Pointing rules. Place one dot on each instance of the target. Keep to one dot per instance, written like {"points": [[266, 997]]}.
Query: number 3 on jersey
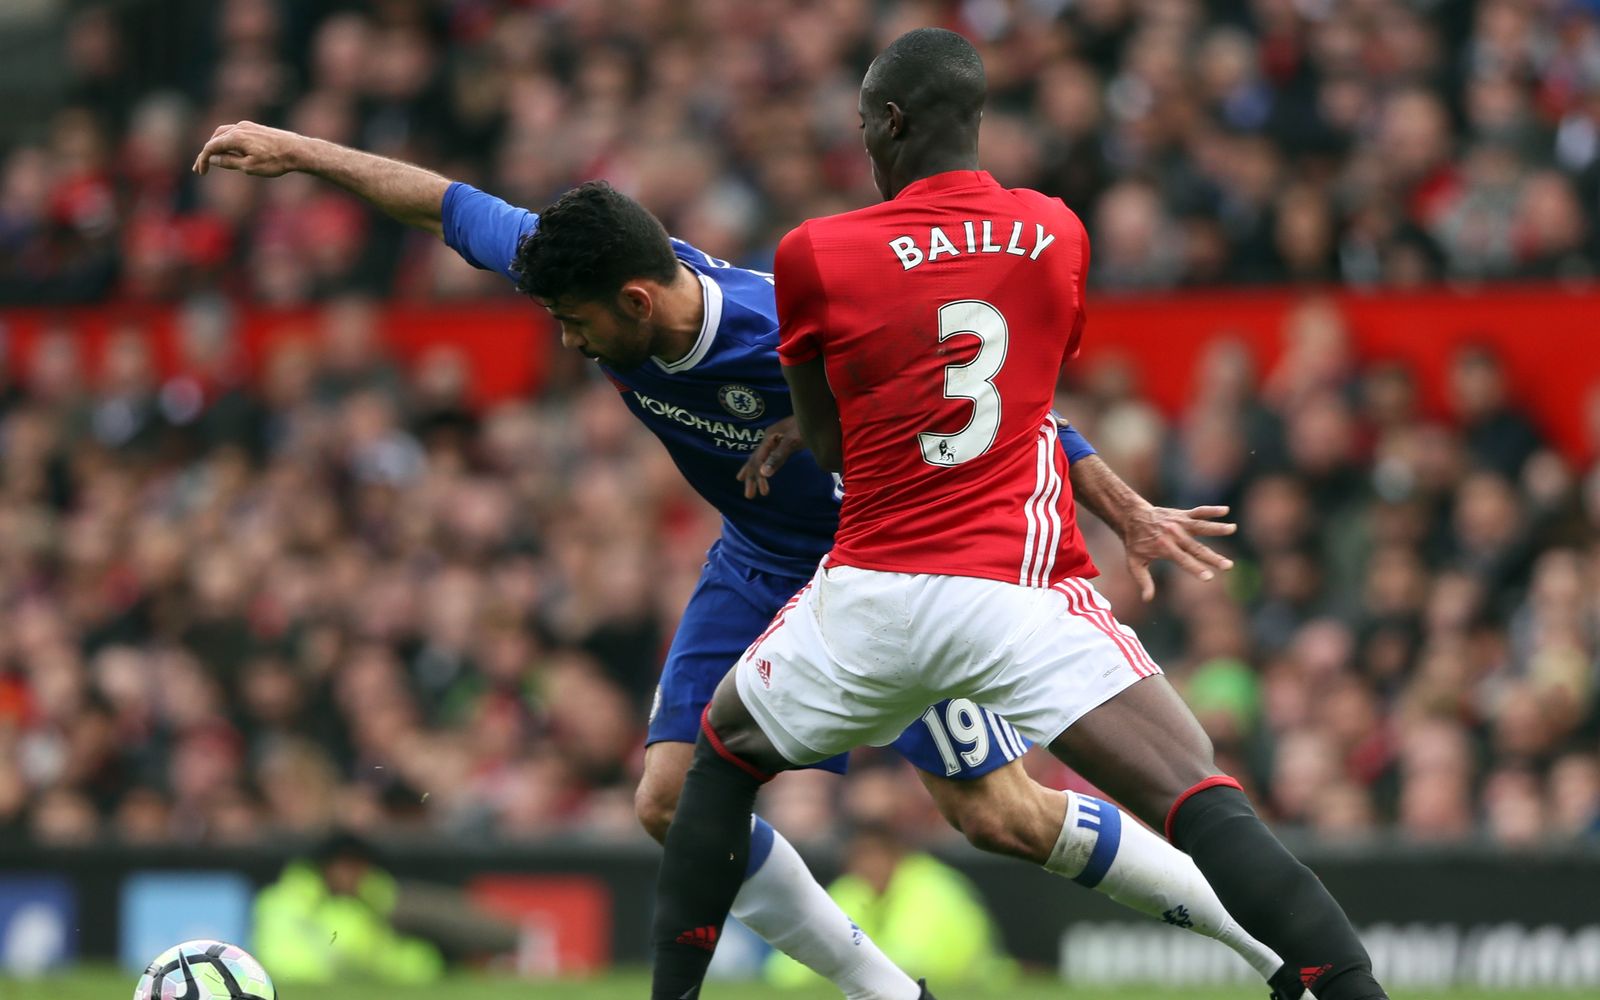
{"points": [[973, 380]]}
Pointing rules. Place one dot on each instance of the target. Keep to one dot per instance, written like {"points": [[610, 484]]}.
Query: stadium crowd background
{"points": [[236, 604]]}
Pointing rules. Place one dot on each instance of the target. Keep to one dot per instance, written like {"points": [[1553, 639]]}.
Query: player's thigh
{"points": [[1003, 811], [1084, 685], [730, 606], [1064, 657], [1143, 747], [833, 672]]}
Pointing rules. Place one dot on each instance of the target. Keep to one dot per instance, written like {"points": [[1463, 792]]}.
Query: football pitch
{"points": [[115, 985]]}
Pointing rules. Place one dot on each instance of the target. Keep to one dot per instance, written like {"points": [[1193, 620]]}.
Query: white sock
{"points": [[783, 904], [1114, 854]]}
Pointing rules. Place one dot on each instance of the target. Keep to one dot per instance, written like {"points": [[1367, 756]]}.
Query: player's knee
{"points": [[654, 805], [1181, 780], [1189, 769], [1189, 760]]}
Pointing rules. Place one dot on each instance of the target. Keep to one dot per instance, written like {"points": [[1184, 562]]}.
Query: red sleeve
{"points": [[1082, 280], [802, 307]]}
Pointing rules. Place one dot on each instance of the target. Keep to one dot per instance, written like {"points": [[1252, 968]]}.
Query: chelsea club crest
{"points": [[741, 401]]}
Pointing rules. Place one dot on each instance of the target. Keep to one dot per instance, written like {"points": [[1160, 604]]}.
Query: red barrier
{"points": [[1548, 336], [564, 921], [505, 342]]}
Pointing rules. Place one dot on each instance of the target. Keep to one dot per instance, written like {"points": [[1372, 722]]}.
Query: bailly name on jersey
{"points": [[723, 434], [970, 238]]}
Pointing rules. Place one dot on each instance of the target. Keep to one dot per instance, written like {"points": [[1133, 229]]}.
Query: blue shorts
{"points": [[731, 605]]}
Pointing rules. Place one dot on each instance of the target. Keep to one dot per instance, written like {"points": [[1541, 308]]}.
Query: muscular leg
{"points": [[778, 899], [708, 848], [1003, 812], [1088, 841], [1145, 748]]}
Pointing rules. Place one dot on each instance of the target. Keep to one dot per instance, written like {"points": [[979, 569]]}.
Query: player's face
{"points": [[603, 332]]}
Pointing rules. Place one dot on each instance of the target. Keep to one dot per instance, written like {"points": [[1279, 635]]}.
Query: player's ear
{"points": [[635, 301], [897, 120]]}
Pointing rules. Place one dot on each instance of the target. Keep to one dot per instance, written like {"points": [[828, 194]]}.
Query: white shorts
{"points": [[857, 655]]}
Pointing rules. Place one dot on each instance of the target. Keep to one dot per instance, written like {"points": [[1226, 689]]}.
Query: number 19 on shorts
{"points": [[961, 731]]}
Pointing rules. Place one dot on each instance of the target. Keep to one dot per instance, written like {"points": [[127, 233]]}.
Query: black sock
{"points": [[707, 849], [1272, 895], [1285, 983]]}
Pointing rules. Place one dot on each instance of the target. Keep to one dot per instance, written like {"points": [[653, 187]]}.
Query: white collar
{"points": [[711, 293]]}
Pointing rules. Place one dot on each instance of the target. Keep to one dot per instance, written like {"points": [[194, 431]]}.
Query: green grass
{"points": [[111, 985]]}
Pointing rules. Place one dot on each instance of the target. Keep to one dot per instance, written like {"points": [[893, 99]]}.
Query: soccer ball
{"points": [[205, 970]]}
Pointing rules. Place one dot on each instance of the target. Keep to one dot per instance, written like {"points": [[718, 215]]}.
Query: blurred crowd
{"points": [[328, 593], [333, 595], [237, 605], [1373, 142], [1411, 638]]}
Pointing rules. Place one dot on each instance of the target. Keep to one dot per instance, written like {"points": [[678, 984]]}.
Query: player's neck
{"points": [[682, 313], [927, 163]]}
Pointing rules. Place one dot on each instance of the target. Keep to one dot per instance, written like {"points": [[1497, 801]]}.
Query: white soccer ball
{"points": [[205, 970]]}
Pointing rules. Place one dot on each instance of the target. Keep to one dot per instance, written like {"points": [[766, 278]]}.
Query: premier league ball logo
{"points": [[742, 401]]}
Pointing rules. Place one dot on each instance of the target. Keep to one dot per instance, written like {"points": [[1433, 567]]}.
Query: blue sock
{"points": [[1105, 820], [761, 835]]}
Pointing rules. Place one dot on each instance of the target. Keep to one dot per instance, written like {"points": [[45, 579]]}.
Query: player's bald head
{"points": [[929, 72]]}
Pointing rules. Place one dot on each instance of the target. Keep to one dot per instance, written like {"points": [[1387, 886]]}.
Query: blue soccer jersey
{"points": [[709, 409]]}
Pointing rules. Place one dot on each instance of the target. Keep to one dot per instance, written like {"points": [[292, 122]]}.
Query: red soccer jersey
{"points": [[943, 317]]}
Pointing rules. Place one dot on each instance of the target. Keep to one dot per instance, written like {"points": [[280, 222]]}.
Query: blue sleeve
{"points": [[1074, 444], [483, 229]]}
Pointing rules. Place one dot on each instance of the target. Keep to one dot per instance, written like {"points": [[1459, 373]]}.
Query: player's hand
{"points": [[258, 150], [1166, 533], [780, 440]]}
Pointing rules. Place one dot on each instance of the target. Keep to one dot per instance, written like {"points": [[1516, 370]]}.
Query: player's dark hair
{"points": [[932, 71], [591, 242]]}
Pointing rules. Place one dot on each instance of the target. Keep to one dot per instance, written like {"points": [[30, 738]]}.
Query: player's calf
{"points": [[708, 844], [1002, 812], [1092, 843], [1145, 748], [779, 899], [707, 854], [1265, 887]]}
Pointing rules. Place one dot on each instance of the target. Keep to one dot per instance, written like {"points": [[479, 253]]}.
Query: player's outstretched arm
{"points": [[1149, 532], [410, 193]]}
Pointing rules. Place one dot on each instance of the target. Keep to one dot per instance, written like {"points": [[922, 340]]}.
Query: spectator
{"points": [[327, 918], [64, 818], [1575, 795], [921, 912], [1498, 438]]}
